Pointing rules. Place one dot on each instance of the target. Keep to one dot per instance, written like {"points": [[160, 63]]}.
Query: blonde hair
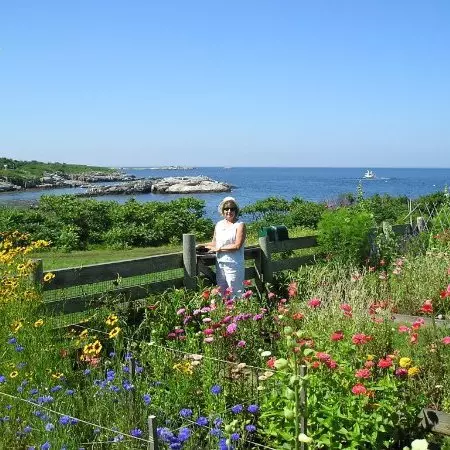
{"points": [[228, 200]]}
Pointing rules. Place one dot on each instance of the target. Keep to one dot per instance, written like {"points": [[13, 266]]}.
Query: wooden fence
{"points": [[173, 270]]}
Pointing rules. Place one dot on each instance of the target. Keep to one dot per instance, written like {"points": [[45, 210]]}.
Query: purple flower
{"points": [[241, 344], [12, 340], [56, 388], [73, 421], [202, 421], [33, 391], [139, 369], [250, 428], [64, 420], [231, 328], [2, 378], [186, 412], [127, 385], [45, 399], [136, 432], [218, 422], [19, 348], [27, 429], [49, 426], [216, 389], [87, 372], [235, 436], [110, 375], [184, 434], [70, 392], [147, 399], [216, 432], [236, 409], [45, 446], [253, 409]]}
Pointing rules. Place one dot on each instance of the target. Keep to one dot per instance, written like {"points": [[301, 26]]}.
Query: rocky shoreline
{"points": [[127, 184], [169, 185]]}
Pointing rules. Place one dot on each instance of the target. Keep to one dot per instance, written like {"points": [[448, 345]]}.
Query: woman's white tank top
{"points": [[226, 235]]}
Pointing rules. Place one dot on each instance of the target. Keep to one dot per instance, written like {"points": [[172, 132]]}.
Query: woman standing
{"points": [[228, 243]]}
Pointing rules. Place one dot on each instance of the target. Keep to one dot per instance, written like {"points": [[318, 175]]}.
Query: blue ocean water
{"points": [[257, 183]]}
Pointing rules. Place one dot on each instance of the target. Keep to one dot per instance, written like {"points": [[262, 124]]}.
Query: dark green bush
{"points": [[343, 234]]}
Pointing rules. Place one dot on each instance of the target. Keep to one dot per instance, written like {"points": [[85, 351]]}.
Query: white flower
{"points": [[419, 444], [303, 438], [266, 353]]}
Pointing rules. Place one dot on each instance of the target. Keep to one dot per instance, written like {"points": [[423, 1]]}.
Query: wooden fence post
{"points": [[189, 261], [152, 434], [37, 273], [266, 259], [421, 225]]}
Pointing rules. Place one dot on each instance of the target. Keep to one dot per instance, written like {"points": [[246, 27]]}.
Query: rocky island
{"points": [[170, 185]]}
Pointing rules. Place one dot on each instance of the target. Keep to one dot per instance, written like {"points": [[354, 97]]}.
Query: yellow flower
{"points": [[16, 326], [57, 375], [39, 323], [183, 367], [413, 371], [405, 362], [114, 332], [13, 374], [97, 347], [83, 334], [49, 276], [370, 357], [111, 320]]}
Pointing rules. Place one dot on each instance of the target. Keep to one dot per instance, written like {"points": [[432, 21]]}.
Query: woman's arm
{"points": [[240, 239]]}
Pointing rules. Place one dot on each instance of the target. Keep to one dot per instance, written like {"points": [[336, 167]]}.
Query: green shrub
{"points": [[344, 235]]}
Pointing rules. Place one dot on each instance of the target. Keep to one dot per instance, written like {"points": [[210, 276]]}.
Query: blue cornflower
{"points": [[218, 421], [73, 421], [110, 375], [49, 426], [12, 340], [186, 412], [202, 421], [46, 446], [235, 436], [175, 445], [147, 399], [112, 354], [70, 392], [164, 434], [45, 399], [223, 445], [118, 438], [128, 356], [2, 378], [217, 432], [34, 391], [184, 434], [27, 429], [136, 432], [250, 428], [64, 420], [56, 388], [114, 388], [126, 369], [8, 407], [19, 348], [236, 409], [139, 369], [4, 419], [127, 385], [253, 409], [87, 372], [38, 413], [216, 389]]}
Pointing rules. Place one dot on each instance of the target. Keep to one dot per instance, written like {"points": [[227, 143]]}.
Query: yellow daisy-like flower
{"points": [[97, 347], [88, 349], [13, 374], [57, 375], [114, 332], [16, 326], [49, 276], [184, 367], [413, 371], [405, 362], [370, 357], [39, 323], [111, 320], [83, 334]]}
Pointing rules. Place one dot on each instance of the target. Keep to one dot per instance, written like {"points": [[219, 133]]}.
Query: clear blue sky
{"points": [[226, 82]]}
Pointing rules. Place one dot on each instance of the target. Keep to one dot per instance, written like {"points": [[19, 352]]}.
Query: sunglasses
{"points": [[230, 209]]}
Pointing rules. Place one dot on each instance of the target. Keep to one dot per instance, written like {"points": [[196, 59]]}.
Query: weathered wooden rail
{"points": [[79, 288]]}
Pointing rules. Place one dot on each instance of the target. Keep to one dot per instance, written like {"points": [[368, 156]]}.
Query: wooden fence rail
{"points": [[76, 289]]}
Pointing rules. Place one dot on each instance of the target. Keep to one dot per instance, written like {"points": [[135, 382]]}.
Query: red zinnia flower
{"points": [[361, 338], [314, 303], [427, 307], [359, 389], [363, 373], [385, 363], [414, 338], [337, 336], [323, 356]]}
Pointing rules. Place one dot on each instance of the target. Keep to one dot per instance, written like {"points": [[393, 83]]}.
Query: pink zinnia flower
{"points": [[241, 344], [384, 363], [346, 308], [417, 324], [208, 331], [427, 307], [446, 340], [337, 336], [271, 295], [314, 302], [403, 329], [369, 364], [181, 311], [247, 283], [363, 373], [361, 338], [359, 389], [292, 289], [401, 372], [331, 364], [247, 294], [414, 337], [231, 328], [323, 356]]}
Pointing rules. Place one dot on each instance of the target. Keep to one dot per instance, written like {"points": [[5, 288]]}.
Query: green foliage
{"points": [[304, 214], [344, 235]]}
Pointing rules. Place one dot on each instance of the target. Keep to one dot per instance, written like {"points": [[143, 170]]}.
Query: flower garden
{"points": [[318, 362]]}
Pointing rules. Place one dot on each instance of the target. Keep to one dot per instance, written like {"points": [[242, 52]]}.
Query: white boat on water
{"points": [[369, 175]]}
